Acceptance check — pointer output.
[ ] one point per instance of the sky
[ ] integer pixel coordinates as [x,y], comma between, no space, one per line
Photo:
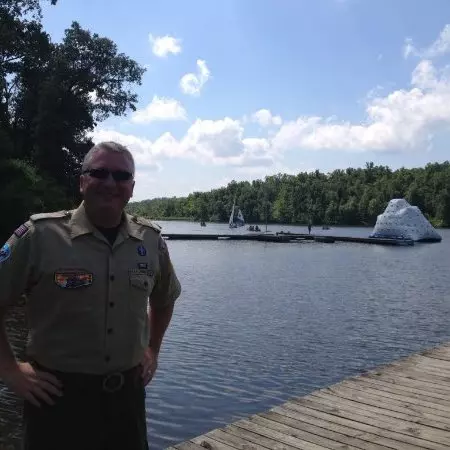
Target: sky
[242,89]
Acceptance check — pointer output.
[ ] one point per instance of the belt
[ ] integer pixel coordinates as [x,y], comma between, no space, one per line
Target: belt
[109,383]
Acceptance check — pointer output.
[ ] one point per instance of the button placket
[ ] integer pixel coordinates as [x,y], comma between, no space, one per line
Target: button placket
[110,309]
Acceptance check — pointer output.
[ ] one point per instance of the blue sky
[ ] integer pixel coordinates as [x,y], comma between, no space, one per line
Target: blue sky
[239,89]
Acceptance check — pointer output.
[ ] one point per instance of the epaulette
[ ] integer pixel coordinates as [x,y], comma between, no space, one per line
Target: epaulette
[146,223]
[50,215]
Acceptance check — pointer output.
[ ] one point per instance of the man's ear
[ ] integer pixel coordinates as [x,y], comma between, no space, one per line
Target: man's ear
[82,183]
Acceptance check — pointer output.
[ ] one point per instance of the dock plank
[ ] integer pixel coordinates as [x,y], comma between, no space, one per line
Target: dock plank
[408,381]
[359,424]
[388,401]
[402,405]
[277,435]
[256,438]
[411,416]
[283,416]
[298,433]
[399,388]
[212,443]
[382,421]
[231,440]
[371,440]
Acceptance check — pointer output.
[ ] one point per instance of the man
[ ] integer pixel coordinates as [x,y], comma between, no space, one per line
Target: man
[100,290]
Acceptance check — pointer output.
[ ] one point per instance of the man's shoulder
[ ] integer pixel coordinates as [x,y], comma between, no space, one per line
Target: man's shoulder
[37,223]
[53,215]
[145,222]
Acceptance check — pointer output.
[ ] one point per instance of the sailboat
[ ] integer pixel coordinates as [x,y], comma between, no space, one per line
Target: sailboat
[237,221]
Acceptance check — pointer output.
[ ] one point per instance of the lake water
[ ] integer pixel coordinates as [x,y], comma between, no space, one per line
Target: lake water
[258,323]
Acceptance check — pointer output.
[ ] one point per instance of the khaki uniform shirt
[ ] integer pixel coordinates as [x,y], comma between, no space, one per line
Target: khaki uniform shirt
[87,301]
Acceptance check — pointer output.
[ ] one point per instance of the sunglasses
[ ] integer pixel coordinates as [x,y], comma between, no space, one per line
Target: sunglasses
[103,174]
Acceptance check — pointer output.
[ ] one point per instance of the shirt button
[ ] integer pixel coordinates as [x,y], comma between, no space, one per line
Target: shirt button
[111,304]
[112,277]
[145,283]
[107,358]
[110,330]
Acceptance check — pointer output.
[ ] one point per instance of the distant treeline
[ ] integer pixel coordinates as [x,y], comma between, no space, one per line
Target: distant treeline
[343,197]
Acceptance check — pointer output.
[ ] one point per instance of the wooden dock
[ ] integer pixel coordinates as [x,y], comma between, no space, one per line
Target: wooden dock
[284,238]
[404,405]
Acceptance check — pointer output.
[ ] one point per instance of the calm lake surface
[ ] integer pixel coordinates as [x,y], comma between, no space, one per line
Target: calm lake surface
[258,323]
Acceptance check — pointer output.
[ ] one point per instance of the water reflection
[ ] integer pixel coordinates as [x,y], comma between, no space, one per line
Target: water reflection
[258,323]
[10,404]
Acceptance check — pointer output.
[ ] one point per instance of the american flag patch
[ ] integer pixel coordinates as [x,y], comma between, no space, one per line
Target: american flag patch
[21,230]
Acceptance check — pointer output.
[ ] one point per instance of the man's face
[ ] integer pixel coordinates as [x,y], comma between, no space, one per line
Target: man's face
[106,194]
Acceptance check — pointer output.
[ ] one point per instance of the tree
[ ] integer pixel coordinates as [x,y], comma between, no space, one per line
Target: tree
[52,95]
[342,197]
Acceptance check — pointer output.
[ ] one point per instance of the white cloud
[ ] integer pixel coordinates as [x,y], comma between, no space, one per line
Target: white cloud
[408,48]
[192,83]
[221,142]
[401,120]
[164,45]
[214,138]
[141,148]
[265,118]
[439,47]
[160,108]
[218,142]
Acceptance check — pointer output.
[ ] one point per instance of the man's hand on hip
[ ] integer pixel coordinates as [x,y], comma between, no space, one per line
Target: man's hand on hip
[149,365]
[32,385]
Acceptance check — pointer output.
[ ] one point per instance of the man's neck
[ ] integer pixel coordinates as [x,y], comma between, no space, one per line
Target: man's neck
[102,220]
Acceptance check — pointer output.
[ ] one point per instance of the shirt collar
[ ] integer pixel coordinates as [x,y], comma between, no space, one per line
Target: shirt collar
[80,224]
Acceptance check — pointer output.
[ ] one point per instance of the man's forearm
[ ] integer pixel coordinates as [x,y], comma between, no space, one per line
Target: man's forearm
[159,321]
[7,358]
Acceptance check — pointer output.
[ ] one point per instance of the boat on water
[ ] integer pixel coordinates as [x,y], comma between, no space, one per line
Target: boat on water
[236,217]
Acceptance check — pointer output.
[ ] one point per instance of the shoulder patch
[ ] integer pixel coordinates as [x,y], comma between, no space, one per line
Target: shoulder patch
[146,223]
[19,232]
[5,252]
[50,215]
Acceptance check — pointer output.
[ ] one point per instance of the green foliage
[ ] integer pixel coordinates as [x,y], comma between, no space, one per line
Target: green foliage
[23,192]
[350,197]
[51,97]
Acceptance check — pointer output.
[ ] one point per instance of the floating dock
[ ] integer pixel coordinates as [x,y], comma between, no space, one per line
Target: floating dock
[404,405]
[284,238]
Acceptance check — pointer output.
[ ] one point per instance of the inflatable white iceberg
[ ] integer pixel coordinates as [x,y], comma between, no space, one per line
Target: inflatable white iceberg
[400,220]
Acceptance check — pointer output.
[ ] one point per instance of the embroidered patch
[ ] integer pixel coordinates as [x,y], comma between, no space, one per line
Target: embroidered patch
[21,230]
[5,253]
[142,265]
[71,279]
[142,250]
[148,272]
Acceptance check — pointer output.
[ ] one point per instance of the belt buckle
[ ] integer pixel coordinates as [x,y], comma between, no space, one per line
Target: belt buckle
[113,382]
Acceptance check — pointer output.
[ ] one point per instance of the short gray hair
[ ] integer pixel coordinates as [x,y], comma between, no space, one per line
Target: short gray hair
[109,146]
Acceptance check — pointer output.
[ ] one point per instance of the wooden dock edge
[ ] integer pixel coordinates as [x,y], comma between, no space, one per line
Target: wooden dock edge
[285,238]
[404,404]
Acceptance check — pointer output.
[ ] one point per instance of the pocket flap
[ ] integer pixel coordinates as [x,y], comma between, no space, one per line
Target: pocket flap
[140,281]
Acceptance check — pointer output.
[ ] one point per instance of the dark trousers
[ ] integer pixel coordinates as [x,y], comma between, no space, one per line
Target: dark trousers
[87,417]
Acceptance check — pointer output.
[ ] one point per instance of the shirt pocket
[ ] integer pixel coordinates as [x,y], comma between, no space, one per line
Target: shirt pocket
[141,286]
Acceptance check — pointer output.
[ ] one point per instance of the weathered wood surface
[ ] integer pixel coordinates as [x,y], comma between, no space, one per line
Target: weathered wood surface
[404,405]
